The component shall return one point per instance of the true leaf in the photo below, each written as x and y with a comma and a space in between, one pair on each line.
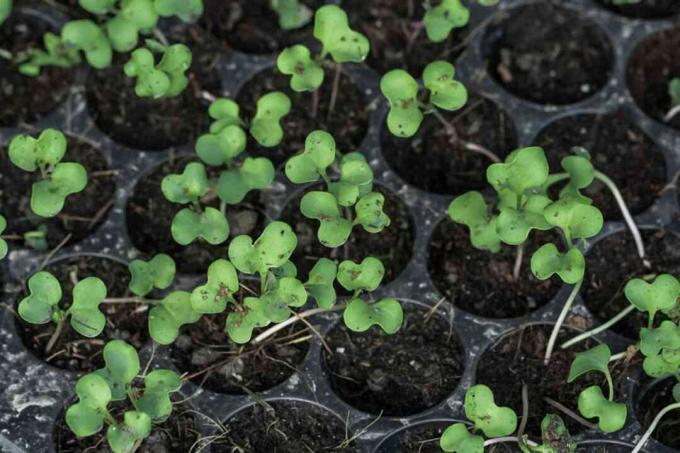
594, 359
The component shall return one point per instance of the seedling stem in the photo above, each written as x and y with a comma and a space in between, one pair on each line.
652, 426
299, 316
336, 87
563, 315
598, 329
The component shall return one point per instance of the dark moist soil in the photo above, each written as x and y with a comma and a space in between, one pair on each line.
83, 212
284, 426
393, 245
649, 404
178, 433
481, 282
253, 26
396, 375
72, 351
613, 261
548, 54
391, 25
517, 359
654, 63
26, 99
149, 216
646, 9
348, 124
433, 161
237, 369
618, 149
156, 124
422, 438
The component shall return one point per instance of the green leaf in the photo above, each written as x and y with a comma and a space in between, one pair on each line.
369, 213
611, 415
5, 10
271, 250
493, 420
45, 295
186, 10
30, 154
175, 63
97, 6
514, 225
123, 34
124, 438
120, 369
87, 37
265, 126
289, 292
457, 439
524, 169
356, 179
310, 164
365, 276
240, 325
292, 13
445, 92
255, 173
594, 359
306, 74
320, 282
86, 417
360, 316
471, 210
401, 91
555, 436
661, 348
210, 225
674, 91
151, 82
576, 220
226, 113
676, 392
580, 169
440, 20
222, 147
158, 272
660, 295
170, 315
140, 12
548, 261
158, 385
86, 318
48, 196
190, 186
331, 27
334, 229
218, 291
3, 243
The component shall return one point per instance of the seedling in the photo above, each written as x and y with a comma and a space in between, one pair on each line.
449, 14
292, 13
118, 381
674, 93
339, 41
3, 244
165, 79
58, 179
118, 28
409, 104
159, 272
42, 305
5, 10
591, 402
353, 189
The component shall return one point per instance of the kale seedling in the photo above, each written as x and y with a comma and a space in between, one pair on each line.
222, 147
43, 306
353, 189
58, 179
119, 381
344, 45
292, 13
440, 20
165, 79
674, 93
409, 104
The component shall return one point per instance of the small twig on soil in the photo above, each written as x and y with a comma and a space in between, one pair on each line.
433, 310
671, 114
562, 408
54, 251
316, 332
97, 217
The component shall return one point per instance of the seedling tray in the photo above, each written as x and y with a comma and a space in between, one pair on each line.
33, 394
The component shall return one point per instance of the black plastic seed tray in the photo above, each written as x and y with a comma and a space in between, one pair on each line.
33, 394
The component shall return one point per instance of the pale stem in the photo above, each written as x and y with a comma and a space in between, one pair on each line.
501, 440
560, 321
652, 427
598, 329
619, 356
624, 210
525, 410
298, 316
451, 130
55, 336
671, 113
158, 34
561, 407
130, 300
336, 88
315, 103
518, 262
